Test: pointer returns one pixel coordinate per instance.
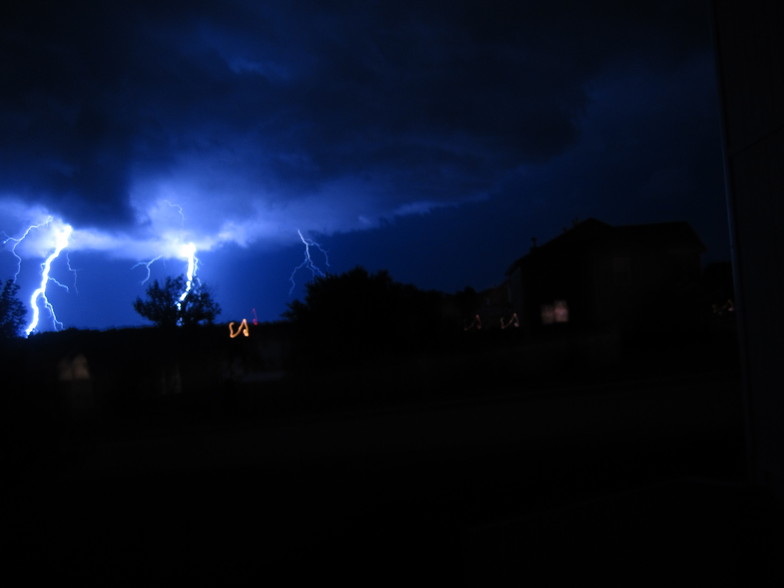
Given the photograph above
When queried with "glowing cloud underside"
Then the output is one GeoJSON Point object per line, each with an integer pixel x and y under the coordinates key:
{"type": "Point", "coordinates": [61, 242]}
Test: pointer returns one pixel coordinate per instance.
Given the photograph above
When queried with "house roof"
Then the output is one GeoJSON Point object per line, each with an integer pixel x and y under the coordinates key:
{"type": "Point", "coordinates": [673, 235]}
{"type": "Point", "coordinates": [593, 233]}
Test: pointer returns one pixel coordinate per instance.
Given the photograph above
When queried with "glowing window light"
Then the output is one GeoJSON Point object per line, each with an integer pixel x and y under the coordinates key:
{"type": "Point", "coordinates": [561, 311]}
{"type": "Point", "coordinates": [557, 312]}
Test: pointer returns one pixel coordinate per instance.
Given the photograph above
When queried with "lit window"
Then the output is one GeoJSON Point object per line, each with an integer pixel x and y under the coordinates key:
{"type": "Point", "coordinates": [561, 311]}
{"type": "Point", "coordinates": [557, 312]}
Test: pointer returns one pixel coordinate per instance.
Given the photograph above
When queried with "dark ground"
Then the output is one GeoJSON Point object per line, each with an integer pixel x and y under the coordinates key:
{"type": "Point", "coordinates": [631, 480]}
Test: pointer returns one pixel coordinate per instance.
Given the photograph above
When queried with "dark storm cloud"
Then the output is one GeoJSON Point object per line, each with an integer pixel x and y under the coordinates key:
{"type": "Point", "coordinates": [401, 103]}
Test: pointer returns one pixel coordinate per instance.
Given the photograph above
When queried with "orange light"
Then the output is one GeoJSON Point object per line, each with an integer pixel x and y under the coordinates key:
{"type": "Point", "coordinates": [242, 328]}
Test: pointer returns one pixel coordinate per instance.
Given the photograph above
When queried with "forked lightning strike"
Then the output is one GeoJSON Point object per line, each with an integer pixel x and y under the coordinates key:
{"type": "Point", "coordinates": [186, 251]}
{"type": "Point", "coordinates": [61, 242]}
{"type": "Point", "coordinates": [147, 265]}
{"type": "Point", "coordinates": [18, 240]}
{"type": "Point", "coordinates": [308, 261]}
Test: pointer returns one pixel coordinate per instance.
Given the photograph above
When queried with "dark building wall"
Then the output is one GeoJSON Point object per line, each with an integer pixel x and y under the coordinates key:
{"type": "Point", "coordinates": [629, 279]}
{"type": "Point", "coordinates": [750, 64]}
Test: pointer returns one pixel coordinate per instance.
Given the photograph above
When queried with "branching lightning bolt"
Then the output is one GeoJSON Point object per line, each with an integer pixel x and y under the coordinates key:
{"type": "Point", "coordinates": [61, 242]}
{"type": "Point", "coordinates": [62, 236]}
{"type": "Point", "coordinates": [179, 210]}
{"type": "Point", "coordinates": [308, 261]}
{"type": "Point", "coordinates": [73, 271]}
{"type": "Point", "coordinates": [18, 240]}
{"type": "Point", "coordinates": [147, 265]}
{"type": "Point", "coordinates": [186, 251]}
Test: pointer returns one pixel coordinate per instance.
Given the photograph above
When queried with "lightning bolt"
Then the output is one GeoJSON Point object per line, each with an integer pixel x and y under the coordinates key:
{"type": "Point", "coordinates": [18, 240]}
{"type": "Point", "coordinates": [147, 265]}
{"type": "Point", "coordinates": [73, 271]}
{"type": "Point", "coordinates": [178, 208]}
{"type": "Point", "coordinates": [188, 252]}
{"type": "Point", "coordinates": [61, 242]}
{"type": "Point", "coordinates": [308, 261]}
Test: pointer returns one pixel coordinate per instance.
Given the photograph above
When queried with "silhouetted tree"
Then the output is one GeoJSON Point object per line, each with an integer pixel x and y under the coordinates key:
{"type": "Point", "coordinates": [358, 315]}
{"type": "Point", "coordinates": [12, 311]}
{"type": "Point", "coordinates": [164, 307]}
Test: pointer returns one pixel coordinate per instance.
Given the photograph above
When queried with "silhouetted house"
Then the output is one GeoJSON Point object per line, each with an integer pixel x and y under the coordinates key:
{"type": "Point", "coordinates": [594, 275]}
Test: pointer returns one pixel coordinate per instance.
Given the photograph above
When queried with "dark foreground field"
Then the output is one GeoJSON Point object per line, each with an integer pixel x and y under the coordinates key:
{"type": "Point", "coordinates": [638, 481]}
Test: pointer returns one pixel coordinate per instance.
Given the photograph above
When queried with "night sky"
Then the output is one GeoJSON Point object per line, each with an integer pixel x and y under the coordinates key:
{"type": "Point", "coordinates": [430, 139]}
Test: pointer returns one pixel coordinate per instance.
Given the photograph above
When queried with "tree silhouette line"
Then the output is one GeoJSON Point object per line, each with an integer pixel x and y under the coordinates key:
{"type": "Point", "coordinates": [168, 305]}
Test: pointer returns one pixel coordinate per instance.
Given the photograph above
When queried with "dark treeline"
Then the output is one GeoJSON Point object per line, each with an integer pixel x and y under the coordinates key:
{"type": "Point", "coordinates": [357, 338]}
{"type": "Point", "coordinates": [358, 316]}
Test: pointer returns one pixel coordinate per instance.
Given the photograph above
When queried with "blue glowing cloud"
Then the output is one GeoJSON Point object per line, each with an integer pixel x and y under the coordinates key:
{"type": "Point", "coordinates": [150, 127]}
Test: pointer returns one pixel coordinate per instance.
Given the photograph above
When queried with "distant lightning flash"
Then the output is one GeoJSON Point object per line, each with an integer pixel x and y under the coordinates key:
{"type": "Point", "coordinates": [61, 242]}
{"type": "Point", "coordinates": [308, 261]}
